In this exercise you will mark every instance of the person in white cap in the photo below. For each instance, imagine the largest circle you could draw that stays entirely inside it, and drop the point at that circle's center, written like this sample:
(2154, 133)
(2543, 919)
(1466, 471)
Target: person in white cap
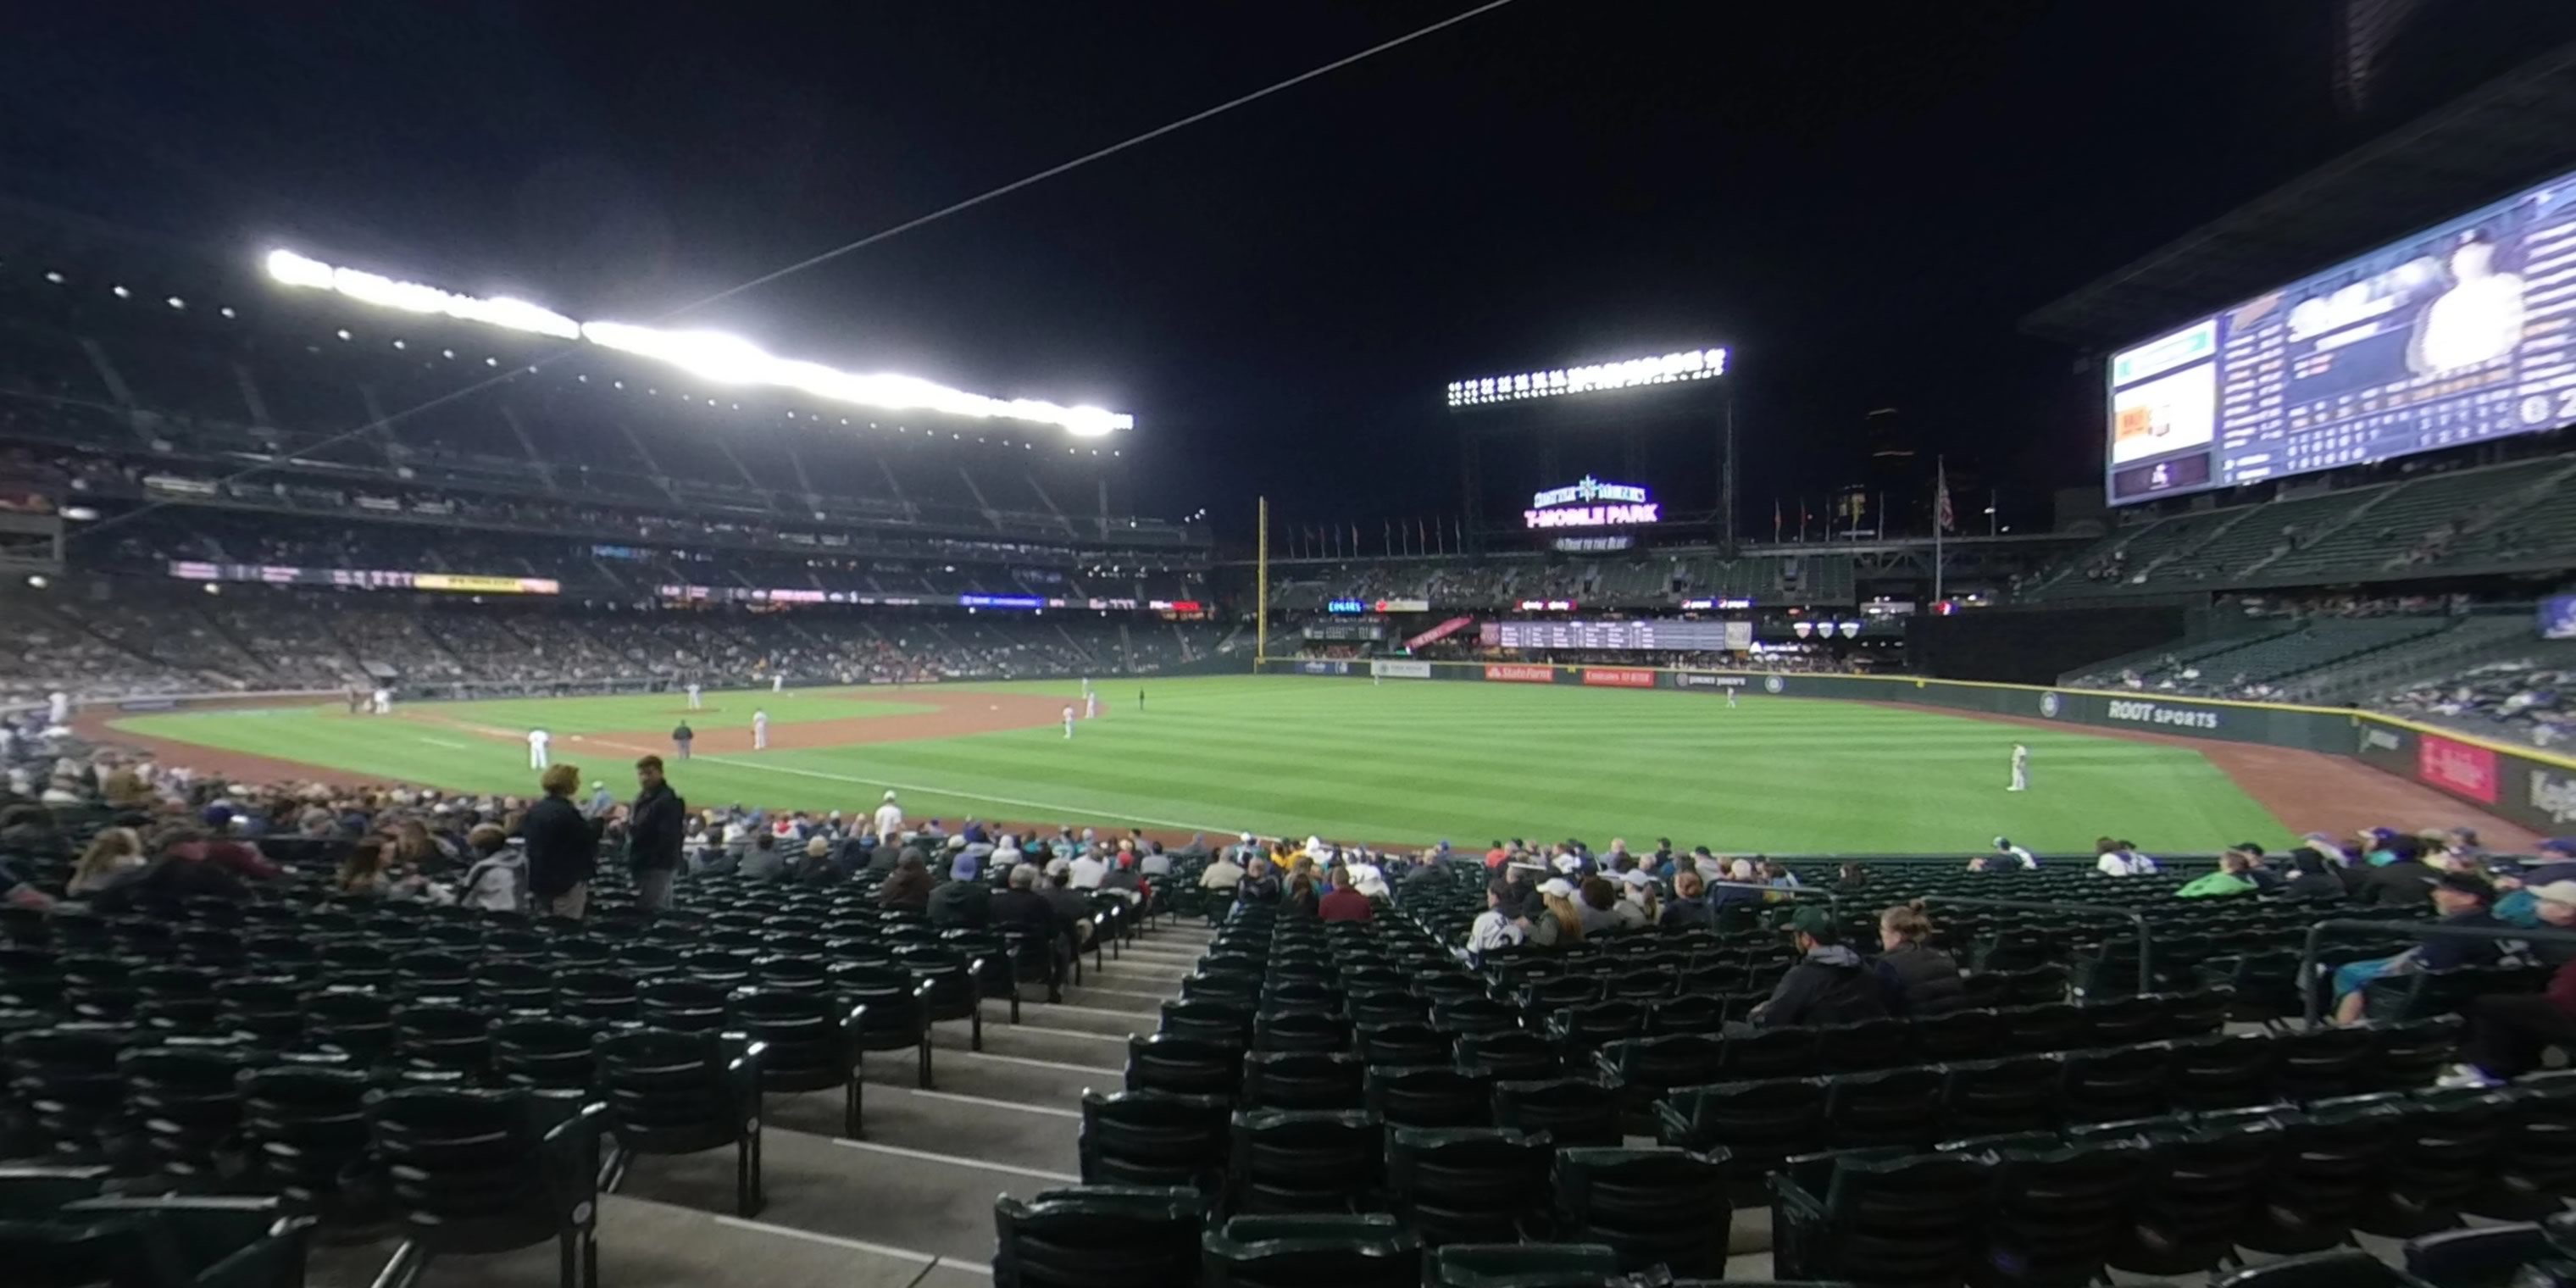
(1555, 921)
(889, 819)
(537, 740)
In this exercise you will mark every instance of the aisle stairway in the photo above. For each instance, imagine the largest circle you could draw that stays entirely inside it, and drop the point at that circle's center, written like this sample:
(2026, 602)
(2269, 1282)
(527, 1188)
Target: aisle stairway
(909, 1206)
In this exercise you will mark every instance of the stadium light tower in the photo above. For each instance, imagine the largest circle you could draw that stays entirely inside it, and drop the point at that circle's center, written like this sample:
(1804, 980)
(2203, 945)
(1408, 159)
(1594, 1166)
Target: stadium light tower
(1629, 377)
(709, 355)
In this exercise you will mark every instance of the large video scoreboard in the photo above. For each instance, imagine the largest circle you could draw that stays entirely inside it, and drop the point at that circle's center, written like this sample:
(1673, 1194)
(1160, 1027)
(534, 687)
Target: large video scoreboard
(2458, 334)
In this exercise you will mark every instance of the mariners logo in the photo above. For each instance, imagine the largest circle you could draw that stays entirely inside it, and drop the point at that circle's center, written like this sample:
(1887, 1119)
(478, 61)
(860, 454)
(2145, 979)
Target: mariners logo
(2048, 704)
(1774, 684)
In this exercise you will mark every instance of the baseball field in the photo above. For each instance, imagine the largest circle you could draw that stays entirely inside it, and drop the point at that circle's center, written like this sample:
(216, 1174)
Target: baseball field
(1397, 763)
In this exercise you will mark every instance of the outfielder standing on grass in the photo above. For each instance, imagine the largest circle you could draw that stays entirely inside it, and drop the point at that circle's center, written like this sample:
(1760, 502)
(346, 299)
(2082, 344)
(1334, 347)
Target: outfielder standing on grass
(760, 731)
(1068, 720)
(694, 703)
(537, 740)
(2020, 769)
(680, 739)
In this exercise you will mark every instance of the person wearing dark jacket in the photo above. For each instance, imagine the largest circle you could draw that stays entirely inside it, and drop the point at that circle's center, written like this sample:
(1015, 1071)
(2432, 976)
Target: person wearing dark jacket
(563, 847)
(963, 901)
(1687, 909)
(2404, 880)
(2311, 877)
(908, 887)
(2463, 899)
(654, 825)
(2509, 1032)
(1920, 980)
(1023, 909)
(1829, 985)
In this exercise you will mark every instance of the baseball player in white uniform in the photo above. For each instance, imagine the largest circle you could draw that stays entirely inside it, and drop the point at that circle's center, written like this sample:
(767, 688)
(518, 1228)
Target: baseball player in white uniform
(537, 740)
(384, 702)
(695, 702)
(778, 684)
(1068, 720)
(760, 731)
(1091, 706)
(2020, 769)
(58, 709)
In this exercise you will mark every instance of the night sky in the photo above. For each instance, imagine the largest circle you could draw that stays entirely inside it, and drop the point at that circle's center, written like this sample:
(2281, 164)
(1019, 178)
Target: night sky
(1860, 199)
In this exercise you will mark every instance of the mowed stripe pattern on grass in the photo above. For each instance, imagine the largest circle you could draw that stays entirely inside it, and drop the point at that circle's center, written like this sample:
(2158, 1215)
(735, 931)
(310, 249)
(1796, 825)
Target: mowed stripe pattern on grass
(1411, 762)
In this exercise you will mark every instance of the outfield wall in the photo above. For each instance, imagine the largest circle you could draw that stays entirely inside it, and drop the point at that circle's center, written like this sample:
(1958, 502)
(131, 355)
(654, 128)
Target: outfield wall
(2530, 787)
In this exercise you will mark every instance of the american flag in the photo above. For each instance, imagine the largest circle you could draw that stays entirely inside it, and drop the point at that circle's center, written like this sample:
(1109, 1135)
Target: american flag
(1942, 515)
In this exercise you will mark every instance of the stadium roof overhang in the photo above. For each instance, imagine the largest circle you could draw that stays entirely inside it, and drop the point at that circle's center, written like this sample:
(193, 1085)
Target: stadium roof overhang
(2504, 135)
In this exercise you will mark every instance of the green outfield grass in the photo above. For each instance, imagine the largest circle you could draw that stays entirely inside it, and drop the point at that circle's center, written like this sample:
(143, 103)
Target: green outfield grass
(1402, 762)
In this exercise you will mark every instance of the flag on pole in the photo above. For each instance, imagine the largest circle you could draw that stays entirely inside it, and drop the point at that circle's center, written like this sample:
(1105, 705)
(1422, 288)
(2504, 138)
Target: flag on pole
(1942, 516)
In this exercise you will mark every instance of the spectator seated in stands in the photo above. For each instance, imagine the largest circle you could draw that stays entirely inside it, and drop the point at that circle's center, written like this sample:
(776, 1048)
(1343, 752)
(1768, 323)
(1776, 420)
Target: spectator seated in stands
(2229, 879)
(497, 878)
(963, 901)
(1689, 905)
(114, 856)
(1920, 980)
(1556, 923)
(2463, 900)
(2508, 1032)
(1597, 904)
(908, 886)
(1022, 908)
(1500, 925)
(1829, 985)
(1344, 902)
(2552, 860)
(1072, 911)
(2397, 876)
(2313, 877)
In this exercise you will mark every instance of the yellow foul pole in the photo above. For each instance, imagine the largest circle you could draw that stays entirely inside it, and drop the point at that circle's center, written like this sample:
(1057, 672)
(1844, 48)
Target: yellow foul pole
(1261, 589)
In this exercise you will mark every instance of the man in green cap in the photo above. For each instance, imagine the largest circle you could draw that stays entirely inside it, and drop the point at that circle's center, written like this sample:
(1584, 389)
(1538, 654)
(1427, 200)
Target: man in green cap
(1829, 985)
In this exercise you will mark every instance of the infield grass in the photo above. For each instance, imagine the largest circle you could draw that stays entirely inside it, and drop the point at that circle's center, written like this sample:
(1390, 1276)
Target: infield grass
(1404, 762)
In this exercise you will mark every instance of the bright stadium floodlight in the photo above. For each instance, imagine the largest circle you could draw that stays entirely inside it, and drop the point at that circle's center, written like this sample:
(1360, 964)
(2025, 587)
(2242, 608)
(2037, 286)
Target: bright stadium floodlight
(1689, 364)
(710, 355)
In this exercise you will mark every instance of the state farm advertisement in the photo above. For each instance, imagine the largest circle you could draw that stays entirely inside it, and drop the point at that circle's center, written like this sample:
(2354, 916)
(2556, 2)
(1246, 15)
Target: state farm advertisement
(2457, 768)
(1618, 677)
(1522, 674)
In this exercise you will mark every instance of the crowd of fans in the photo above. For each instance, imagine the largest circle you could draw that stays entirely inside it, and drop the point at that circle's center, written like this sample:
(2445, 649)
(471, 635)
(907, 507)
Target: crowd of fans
(2531, 698)
(261, 640)
(160, 832)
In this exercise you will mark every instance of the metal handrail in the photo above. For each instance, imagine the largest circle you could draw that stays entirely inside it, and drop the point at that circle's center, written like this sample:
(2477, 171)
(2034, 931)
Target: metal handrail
(2136, 919)
(2317, 934)
(1833, 901)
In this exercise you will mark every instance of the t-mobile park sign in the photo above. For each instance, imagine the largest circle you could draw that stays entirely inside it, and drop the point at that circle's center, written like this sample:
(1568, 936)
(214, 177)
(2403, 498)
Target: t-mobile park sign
(1591, 504)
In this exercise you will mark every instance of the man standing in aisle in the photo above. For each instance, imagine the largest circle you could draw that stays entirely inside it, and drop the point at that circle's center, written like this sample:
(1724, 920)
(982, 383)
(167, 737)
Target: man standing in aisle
(760, 731)
(537, 740)
(695, 703)
(889, 820)
(654, 828)
(680, 738)
(2020, 769)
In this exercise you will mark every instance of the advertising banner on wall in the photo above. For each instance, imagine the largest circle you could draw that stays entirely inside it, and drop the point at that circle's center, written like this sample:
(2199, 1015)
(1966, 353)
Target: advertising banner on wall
(2457, 768)
(1521, 674)
(1324, 668)
(1401, 670)
(1618, 677)
(1703, 680)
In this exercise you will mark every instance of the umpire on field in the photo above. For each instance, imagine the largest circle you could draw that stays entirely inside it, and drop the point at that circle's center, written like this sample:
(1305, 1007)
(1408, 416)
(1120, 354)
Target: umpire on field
(654, 825)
